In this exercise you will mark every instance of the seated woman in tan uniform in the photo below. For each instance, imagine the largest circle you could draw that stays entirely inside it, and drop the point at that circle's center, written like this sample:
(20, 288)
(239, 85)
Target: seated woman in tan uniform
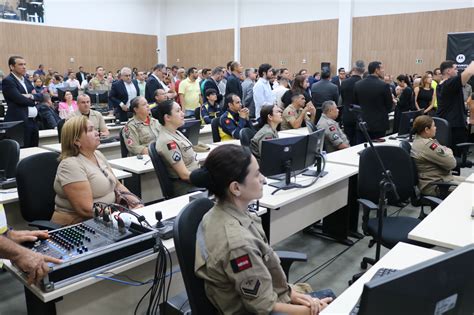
(176, 150)
(241, 272)
(270, 118)
(434, 161)
(83, 176)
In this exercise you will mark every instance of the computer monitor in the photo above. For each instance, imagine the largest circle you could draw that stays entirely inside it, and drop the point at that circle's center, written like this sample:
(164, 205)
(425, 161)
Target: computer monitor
(314, 153)
(442, 285)
(63, 90)
(98, 97)
(190, 130)
(406, 122)
(283, 156)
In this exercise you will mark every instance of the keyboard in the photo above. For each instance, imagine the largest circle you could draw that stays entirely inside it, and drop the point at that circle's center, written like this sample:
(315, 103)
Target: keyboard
(382, 272)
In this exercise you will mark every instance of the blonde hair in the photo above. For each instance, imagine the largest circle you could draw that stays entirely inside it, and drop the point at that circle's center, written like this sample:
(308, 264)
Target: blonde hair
(70, 133)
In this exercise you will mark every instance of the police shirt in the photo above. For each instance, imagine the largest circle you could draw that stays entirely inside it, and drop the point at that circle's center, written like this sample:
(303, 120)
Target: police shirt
(333, 135)
(230, 125)
(94, 117)
(139, 134)
(266, 133)
(290, 114)
(241, 272)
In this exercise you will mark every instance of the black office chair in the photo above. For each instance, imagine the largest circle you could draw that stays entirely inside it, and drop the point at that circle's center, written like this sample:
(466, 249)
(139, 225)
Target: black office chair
(246, 135)
(311, 127)
(197, 113)
(161, 172)
(15, 131)
(35, 179)
(184, 236)
(9, 157)
(123, 147)
(60, 128)
(394, 228)
(215, 130)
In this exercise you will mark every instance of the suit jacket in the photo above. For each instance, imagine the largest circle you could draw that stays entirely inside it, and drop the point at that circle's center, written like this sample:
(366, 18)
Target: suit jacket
(347, 95)
(375, 99)
(233, 86)
(151, 86)
(17, 103)
(118, 93)
(324, 91)
(79, 76)
(337, 82)
(49, 117)
(211, 84)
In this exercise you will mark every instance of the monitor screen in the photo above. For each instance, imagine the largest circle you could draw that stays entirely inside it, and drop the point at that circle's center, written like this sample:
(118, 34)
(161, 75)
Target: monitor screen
(443, 285)
(406, 121)
(98, 96)
(190, 130)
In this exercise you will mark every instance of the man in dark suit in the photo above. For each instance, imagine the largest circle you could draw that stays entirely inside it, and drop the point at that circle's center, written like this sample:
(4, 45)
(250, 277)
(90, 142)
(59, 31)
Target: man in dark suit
(349, 119)
(375, 99)
(81, 75)
(337, 80)
(49, 116)
(122, 92)
(323, 91)
(21, 99)
(213, 81)
(234, 85)
(154, 82)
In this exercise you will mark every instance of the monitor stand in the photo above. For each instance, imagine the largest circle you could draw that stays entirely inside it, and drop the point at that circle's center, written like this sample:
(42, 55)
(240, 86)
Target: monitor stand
(317, 172)
(285, 184)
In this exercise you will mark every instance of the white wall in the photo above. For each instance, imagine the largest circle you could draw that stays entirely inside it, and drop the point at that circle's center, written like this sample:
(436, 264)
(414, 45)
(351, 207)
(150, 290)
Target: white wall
(374, 7)
(129, 16)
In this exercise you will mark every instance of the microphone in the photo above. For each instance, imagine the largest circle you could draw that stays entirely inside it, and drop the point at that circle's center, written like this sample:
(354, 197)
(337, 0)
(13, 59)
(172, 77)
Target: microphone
(355, 108)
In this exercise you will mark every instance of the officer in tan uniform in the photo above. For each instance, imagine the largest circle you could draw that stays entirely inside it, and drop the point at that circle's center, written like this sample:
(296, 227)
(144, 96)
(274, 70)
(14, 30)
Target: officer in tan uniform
(241, 272)
(434, 161)
(141, 129)
(96, 118)
(270, 118)
(176, 150)
(295, 114)
(334, 138)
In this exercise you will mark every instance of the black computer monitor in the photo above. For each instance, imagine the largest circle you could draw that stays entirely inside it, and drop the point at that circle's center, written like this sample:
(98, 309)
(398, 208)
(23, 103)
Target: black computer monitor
(190, 130)
(98, 96)
(283, 156)
(406, 122)
(314, 153)
(442, 285)
(63, 90)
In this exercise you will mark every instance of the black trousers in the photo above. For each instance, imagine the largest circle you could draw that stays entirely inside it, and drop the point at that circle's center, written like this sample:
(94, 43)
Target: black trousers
(350, 129)
(372, 135)
(458, 135)
(31, 133)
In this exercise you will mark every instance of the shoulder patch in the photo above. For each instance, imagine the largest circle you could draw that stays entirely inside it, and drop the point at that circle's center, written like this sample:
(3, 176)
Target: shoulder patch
(268, 137)
(291, 113)
(129, 141)
(250, 287)
(335, 136)
(171, 145)
(440, 151)
(227, 121)
(176, 156)
(433, 146)
(241, 263)
(332, 128)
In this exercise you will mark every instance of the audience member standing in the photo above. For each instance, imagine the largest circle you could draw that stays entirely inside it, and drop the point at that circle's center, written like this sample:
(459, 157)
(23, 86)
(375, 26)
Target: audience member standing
(323, 91)
(337, 80)
(247, 90)
(155, 82)
(405, 100)
(280, 90)
(424, 95)
(190, 93)
(300, 86)
(81, 75)
(349, 118)
(262, 92)
(451, 101)
(122, 92)
(375, 99)
(140, 80)
(99, 82)
(213, 82)
(233, 85)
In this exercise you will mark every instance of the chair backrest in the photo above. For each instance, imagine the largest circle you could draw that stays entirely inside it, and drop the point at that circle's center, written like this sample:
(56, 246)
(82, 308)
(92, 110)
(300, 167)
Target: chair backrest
(60, 128)
(197, 113)
(397, 161)
(184, 235)
(246, 134)
(311, 127)
(443, 132)
(35, 179)
(9, 157)
(15, 130)
(123, 147)
(406, 146)
(215, 130)
(161, 172)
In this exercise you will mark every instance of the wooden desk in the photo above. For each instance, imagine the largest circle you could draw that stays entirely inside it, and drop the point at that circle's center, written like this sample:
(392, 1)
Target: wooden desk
(450, 225)
(110, 150)
(401, 256)
(48, 136)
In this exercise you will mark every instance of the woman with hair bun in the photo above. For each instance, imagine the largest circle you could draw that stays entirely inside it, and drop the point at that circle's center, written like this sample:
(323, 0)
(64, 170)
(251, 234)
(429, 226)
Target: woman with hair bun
(241, 272)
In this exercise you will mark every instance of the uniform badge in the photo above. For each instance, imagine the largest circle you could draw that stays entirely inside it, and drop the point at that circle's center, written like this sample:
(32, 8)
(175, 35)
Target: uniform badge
(290, 113)
(171, 145)
(440, 151)
(129, 141)
(250, 287)
(335, 137)
(227, 121)
(433, 146)
(176, 156)
(241, 263)
(332, 128)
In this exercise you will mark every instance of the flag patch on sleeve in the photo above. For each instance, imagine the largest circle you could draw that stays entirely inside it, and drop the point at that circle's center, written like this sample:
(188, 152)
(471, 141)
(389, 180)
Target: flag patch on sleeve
(241, 263)
(171, 145)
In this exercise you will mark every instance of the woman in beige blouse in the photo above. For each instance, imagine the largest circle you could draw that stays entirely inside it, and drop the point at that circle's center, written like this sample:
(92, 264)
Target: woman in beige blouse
(83, 175)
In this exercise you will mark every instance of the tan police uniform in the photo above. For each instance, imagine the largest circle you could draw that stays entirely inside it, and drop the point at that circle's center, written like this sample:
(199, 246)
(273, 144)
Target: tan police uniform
(290, 114)
(174, 147)
(434, 162)
(333, 135)
(95, 118)
(241, 272)
(265, 133)
(99, 85)
(139, 134)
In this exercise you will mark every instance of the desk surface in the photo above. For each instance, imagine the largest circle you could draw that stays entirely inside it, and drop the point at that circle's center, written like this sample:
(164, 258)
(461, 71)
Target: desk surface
(26, 152)
(56, 147)
(48, 133)
(450, 225)
(401, 256)
(296, 132)
(335, 174)
(205, 129)
(470, 179)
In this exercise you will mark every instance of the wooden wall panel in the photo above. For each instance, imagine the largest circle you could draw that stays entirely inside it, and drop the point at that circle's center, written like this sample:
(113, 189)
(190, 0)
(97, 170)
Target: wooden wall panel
(399, 40)
(286, 45)
(54, 46)
(204, 49)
